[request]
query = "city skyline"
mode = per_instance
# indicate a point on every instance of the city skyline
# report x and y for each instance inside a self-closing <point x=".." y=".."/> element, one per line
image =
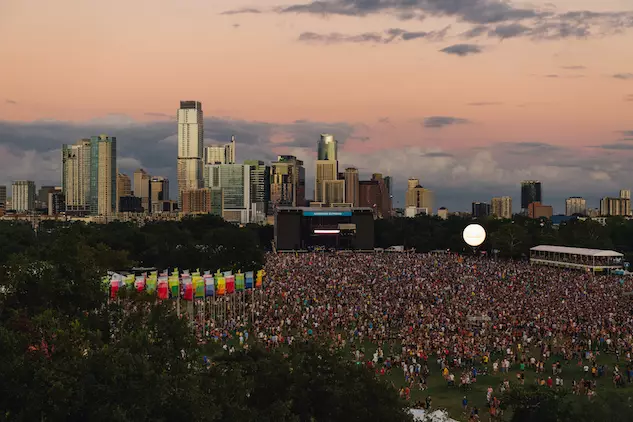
<point x="547" y="106"/>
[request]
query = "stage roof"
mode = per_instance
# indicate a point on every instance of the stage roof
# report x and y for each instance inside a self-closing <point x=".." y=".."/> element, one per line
<point x="576" y="251"/>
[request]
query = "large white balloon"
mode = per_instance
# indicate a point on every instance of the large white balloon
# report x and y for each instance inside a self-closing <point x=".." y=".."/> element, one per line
<point x="474" y="235"/>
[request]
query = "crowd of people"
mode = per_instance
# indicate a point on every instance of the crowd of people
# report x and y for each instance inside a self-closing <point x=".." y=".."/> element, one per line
<point x="465" y="315"/>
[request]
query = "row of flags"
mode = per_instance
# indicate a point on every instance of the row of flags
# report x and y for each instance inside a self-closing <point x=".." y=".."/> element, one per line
<point x="187" y="285"/>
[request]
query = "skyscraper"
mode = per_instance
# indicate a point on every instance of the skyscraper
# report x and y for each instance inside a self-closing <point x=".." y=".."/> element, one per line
<point x="501" y="207"/>
<point x="76" y="176"/>
<point x="625" y="193"/>
<point x="287" y="183"/>
<point x="530" y="192"/>
<point x="143" y="189"/>
<point x="480" y="209"/>
<point x="418" y="197"/>
<point x="3" y="197"/>
<point x="575" y="205"/>
<point x="327" y="148"/>
<point x="220" y="154"/>
<point x="103" y="175"/>
<point x="123" y="188"/>
<point x="352" y="190"/>
<point x="23" y="195"/>
<point x="234" y="180"/>
<point x="190" y="140"/>
<point x="260" y="189"/>
<point x="334" y="191"/>
<point x="325" y="170"/>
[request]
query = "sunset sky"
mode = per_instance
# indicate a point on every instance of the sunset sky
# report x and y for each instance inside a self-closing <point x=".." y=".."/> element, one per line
<point x="470" y="98"/>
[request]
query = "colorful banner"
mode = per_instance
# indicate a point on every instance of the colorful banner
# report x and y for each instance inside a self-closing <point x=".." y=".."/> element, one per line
<point x="163" y="287"/>
<point x="259" y="281"/>
<point x="230" y="284"/>
<point x="139" y="283"/>
<point x="198" y="285"/>
<point x="239" y="282"/>
<point x="209" y="285"/>
<point x="152" y="281"/>
<point x="250" y="279"/>
<point x="174" y="285"/>
<point x="220" y="286"/>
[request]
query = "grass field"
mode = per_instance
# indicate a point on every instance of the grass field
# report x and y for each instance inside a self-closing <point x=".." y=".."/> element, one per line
<point x="450" y="398"/>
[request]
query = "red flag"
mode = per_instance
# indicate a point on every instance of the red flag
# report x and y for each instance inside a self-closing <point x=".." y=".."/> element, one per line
<point x="189" y="291"/>
<point x="230" y="284"/>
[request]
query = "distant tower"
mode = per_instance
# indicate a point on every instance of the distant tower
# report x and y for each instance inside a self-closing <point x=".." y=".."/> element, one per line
<point x="327" y="148"/>
<point x="352" y="188"/>
<point x="190" y="136"/>
<point x="530" y="192"/>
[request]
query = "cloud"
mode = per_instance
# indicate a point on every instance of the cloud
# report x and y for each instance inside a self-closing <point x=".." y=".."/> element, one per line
<point x="462" y="50"/>
<point x="12" y="102"/>
<point x="626" y="133"/>
<point x="573" y="67"/>
<point x="617" y="147"/>
<point x="438" y="122"/>
<point x="484" y="104"/>
<point x="493" y="18"/>
<point x="244" y="11"/>
<point x="388" y="36"/>
<point x="32" y="150"/>
<point x="628" y="97"/>
<point x="623" y="76"/>
<point x="161" y="115"/>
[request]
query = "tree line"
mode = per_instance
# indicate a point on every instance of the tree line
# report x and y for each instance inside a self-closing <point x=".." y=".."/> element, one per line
<point x="508" y="238"/>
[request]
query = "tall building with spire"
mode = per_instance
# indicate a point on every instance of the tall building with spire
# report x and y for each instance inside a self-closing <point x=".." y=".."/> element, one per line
<point x="326" y="166"/>
<point x="190" y="146"/>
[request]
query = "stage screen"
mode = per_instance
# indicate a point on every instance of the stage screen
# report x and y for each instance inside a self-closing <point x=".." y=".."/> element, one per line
<point x="288" y="231"/>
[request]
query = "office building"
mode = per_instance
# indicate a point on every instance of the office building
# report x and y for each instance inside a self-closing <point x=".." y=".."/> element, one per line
<point x="325" y="170"/>
<point x="501" y="207"/>
<point x="220" y="154"/>
<point x="412" y="212"/>
<point x="234" y="180"/>
<point x="130" y="204"/>
<point x="287" y="183"/>
<point x="41" y="201"/>
<point x="334" y="192"/>
<point x="327" y="149"/>
<point x="530" y="192"/>
<point x="442" y="213"/>
<point x="352" y="192"/>
<point x="143" y="189"/>
<point x="159" y="195"/>
<point x="202" y="201"/>
<point x="418" y="197"/>
<point x="538" y="210"/>
<point x="103" y="175"/>
<point x="369" y="195"/>
<point x="575" y="205"/>
<point x="55" y="201"/>
<point x="76" y="176"/>
<point x="480" y="209"/>
<point x="123" y="188"/>
<point x="23" y="195"/>
<point x="625" y="194"/>
<point x="615" y="207"/>
<point x="385" y="198"/>
<point x="260" y="189"/>
<point x="3" y="197"/>
<point x="190" y="143"/>
<point x="389" y="185"/>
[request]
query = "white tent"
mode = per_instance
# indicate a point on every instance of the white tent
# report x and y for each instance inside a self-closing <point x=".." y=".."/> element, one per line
<point x="420" y="415"/>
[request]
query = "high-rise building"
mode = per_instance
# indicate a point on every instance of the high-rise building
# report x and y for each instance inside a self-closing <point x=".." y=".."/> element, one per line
<point x="384" y="206"/>
<point x="143" y="189"/>
<point x="103" y="175"/>
<point x="220" y="154"/>
<point x="575" y="205"/>
<point x="369" y="195"/>
<point x="530" y="192"/>
<point x="41" y="201"/>
<point x="625" y="193"/>
<point x="334" y="191"/>
<point x="203" y="201"/>
<point x="260" y="189"/>
<point x="23" y="195"/>
<point x="190" y="144"/>
<point x="418" y="196"/>
<point x="76" y="176"/>
<point x="55" y="203"/>
<point x="325" y="170"/>
<point x="615" y="207"/>
<point x="327" y="148"/>
<point x="123" y="188"/>
<point x="501" y="207"/>
<point x="538" y="210"/>
<point x="352" y="192"/>
<point x="442" y="213"/>
<point x="287" y="183"/>
<point x="234" y="180"/>
<point x="3" y="197"/>
<point x="159" y="195"/>
<point x="480" y="209"/>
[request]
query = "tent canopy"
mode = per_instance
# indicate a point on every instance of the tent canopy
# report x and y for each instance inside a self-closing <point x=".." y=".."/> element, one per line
<point x="576" y="251"/>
